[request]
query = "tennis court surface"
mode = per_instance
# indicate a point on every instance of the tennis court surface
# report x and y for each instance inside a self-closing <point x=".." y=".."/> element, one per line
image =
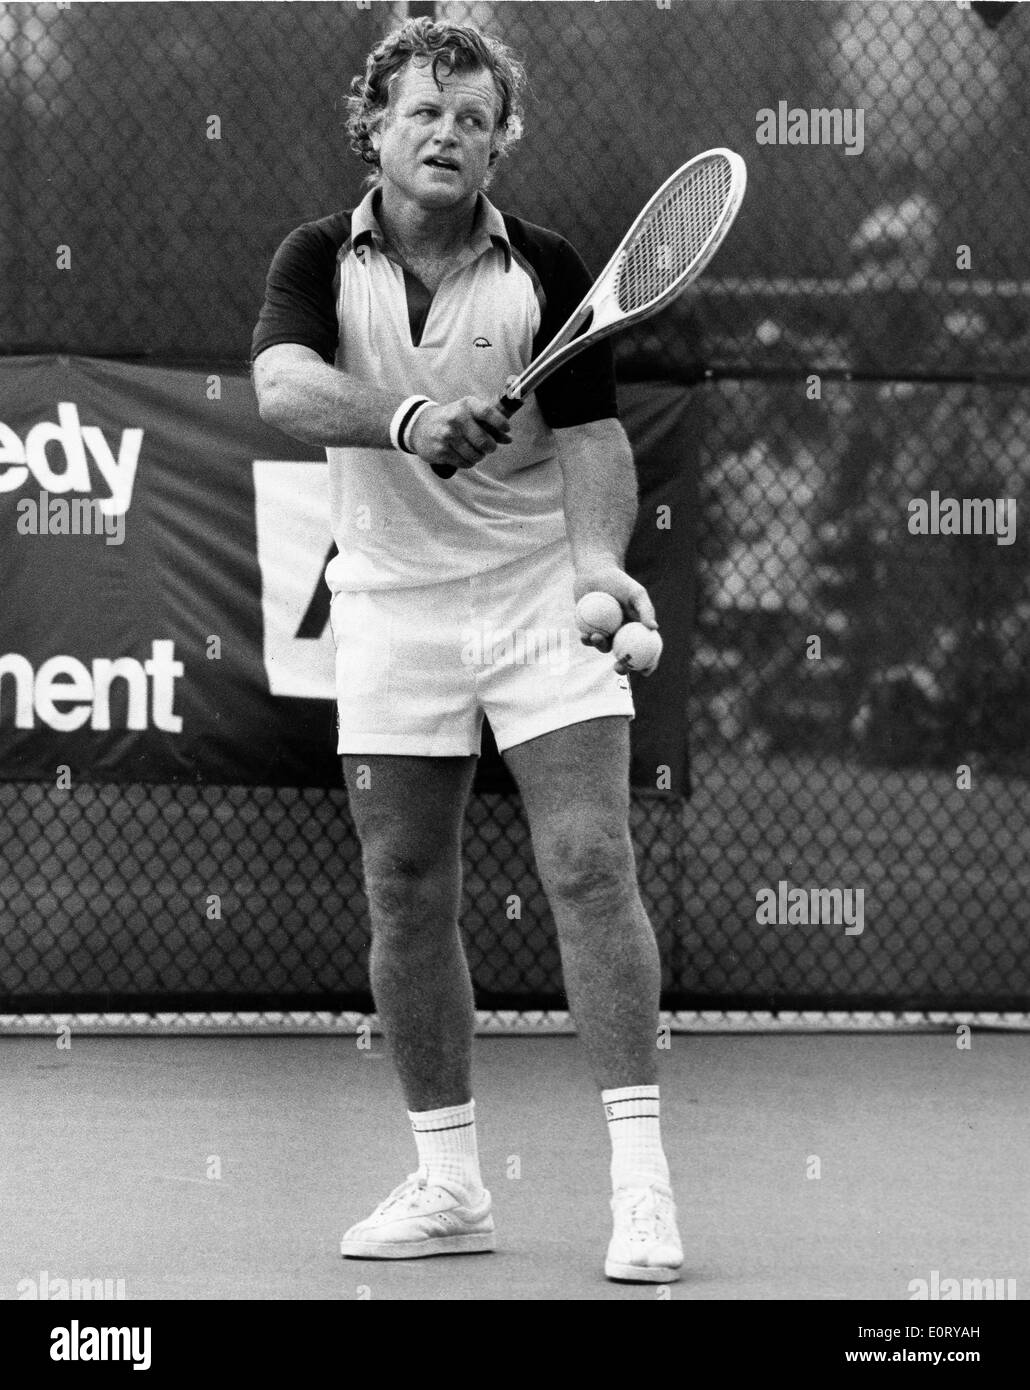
<point x="228" y="1168"/>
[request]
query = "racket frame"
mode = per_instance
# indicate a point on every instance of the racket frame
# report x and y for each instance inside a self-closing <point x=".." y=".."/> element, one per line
<point x="600" y="301"/>
<point x="579" y="332"/>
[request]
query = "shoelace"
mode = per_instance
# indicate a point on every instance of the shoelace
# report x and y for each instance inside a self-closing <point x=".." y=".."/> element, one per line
<point x="411" y="1190"/>
<point x="644" y="1211"/>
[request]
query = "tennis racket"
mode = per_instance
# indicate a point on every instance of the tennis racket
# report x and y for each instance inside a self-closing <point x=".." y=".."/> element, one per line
<point x="667" y="247"/>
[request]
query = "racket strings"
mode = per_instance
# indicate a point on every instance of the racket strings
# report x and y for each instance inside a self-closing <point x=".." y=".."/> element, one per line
<point x="674" y="235"/>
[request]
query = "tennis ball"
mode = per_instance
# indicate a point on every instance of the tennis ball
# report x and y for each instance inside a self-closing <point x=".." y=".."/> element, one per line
<point x="638" y="646"/>
<point x="598" y="612"/>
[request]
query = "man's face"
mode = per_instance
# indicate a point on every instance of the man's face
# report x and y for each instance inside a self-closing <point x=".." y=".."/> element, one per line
<point x="434" y="146"/>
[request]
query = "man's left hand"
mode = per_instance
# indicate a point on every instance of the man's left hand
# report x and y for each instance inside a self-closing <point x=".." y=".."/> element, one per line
<point x="610" y="579"/>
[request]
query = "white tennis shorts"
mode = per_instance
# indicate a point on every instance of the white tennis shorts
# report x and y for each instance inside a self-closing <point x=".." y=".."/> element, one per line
<point x="417" y="669"/>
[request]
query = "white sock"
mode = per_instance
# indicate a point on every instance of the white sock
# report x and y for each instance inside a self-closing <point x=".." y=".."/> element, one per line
<point x="446" y="1141"/>
<point x="634" y="1128"/>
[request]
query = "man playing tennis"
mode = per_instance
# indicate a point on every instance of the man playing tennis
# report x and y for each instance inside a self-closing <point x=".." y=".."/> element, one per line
<point x="386" y="334"/>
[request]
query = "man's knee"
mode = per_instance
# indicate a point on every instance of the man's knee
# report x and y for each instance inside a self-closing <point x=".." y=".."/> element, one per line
<point x="587" y="863"/>
<point x="410" y="892"/>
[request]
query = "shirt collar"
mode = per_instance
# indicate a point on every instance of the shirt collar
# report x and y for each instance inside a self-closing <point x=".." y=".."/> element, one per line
<point x="487" y="226"/>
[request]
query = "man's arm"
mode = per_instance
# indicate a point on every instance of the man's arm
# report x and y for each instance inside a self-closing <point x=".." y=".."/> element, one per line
<point x="309" y="400"/>
<point x="600" y="496"/>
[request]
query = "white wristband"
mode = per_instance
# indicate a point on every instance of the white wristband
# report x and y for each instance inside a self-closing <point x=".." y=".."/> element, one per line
<point x="408" y="428"/>
<point x="403" y="418"/>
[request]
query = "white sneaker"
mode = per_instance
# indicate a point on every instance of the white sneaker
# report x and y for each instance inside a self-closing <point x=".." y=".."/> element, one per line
<point x="422" y="1218"/>
<point x="645" y="1246"/>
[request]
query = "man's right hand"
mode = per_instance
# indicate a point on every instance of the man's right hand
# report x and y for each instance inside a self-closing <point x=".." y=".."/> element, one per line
<point x="459" y="434"/>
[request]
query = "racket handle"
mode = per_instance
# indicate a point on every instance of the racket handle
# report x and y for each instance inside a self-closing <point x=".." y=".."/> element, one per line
<point x="507" y="406"/>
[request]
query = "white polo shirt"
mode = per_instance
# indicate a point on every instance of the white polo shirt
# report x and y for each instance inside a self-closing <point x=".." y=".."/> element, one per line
<point x="333" y="287"/>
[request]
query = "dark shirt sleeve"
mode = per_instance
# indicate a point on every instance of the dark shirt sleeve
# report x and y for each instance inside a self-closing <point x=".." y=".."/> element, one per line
<point x="583" y="389"/>
<point x="300" y="299"/>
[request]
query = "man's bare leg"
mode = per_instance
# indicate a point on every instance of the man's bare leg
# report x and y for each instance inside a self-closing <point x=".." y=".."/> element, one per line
<point x="408" y="814"/>
<point x="575" y="787"/>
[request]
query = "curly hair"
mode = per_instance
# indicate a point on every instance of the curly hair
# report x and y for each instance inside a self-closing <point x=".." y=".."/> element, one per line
<point x="446" y="48"/>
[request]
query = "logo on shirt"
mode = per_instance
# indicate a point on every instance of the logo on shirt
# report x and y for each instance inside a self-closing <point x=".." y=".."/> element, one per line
<point x="481" y="342"/>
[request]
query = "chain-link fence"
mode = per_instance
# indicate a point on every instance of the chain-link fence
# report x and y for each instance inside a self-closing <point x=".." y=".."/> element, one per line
<point x="179" y="898"/>
<point x="171" y="147"/>
<point x="861" y="704"/>
<point x="242" y="898"/>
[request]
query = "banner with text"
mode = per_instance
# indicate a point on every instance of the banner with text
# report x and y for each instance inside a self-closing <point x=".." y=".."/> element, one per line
<point x="165" y="616"/>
